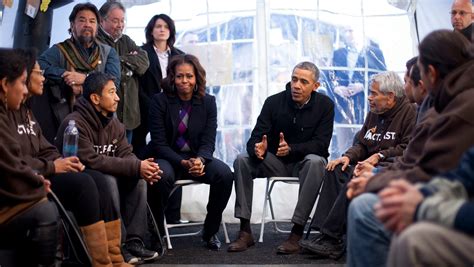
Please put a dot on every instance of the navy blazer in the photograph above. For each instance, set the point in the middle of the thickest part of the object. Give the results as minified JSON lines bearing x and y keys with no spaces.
{"x":164,"y":120}
{"x":150,"y":81}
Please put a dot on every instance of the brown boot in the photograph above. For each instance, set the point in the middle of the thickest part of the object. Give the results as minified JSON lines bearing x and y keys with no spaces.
{"x":242,"y":243}
{"x":96,"y":241}
{"x":291,"y":245}
{"x":114,"y":230}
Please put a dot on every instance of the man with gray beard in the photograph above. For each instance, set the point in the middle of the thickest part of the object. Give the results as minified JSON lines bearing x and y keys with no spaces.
{"x":67,"y":64}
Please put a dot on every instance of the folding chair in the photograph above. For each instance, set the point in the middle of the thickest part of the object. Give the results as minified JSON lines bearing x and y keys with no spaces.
{"x":74,"y":251}
{"x":268,"y":203}
{"x":178,"y":184}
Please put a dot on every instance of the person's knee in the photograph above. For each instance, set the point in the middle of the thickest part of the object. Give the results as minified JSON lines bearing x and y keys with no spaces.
{"x":361,"y":206}
{"x":242,"y":158}
{"x":315,"y":161}
{"x":411,"y":236}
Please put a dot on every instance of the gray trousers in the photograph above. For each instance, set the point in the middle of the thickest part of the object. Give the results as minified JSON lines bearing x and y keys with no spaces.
{"x":310,"y":172}
{"x":129,"y":198}
{"x":428,"y":244}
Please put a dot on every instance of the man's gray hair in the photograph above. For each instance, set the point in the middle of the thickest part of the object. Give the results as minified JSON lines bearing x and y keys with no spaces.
{"x":389,"y":81}
{"x":108,"y":6}
{"x":306,"y":65}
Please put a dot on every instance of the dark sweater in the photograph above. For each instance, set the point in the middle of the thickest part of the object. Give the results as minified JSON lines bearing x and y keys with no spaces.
{"x":387,"y":133}
{"x":450,"y":135}
{"x":37,"y":152}
{"x":20,"y":187}
{"x":307,"y":130}
{"x":101,"y":148}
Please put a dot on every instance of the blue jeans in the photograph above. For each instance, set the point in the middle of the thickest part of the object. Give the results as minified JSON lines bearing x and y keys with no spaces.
{"x":368,"y":242}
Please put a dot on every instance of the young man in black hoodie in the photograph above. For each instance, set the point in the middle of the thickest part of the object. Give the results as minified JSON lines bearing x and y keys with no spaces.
{"x":103,"y":147}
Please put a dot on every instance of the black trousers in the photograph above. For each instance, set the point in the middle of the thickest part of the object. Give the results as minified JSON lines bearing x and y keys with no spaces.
{"x":217,"y":174}
{"x":33,"y":234}
{"x":330,"y":216}
{"x":86,"y":195}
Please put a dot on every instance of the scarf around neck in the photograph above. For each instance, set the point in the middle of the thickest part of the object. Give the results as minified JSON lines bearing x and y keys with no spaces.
{"x":77,"y":57}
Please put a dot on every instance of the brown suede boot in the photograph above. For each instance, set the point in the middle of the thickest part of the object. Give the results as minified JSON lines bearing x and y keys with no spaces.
{"x":96,"y":241}
{"x":113,"y":237}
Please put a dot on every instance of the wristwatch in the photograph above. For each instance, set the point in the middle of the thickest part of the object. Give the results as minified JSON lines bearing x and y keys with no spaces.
{"x":381,"y":156}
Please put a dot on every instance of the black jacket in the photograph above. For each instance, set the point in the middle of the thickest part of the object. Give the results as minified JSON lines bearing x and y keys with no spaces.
{"x":164,"y":120}
{"x":150,"y":82}
{"x":307,"y":130}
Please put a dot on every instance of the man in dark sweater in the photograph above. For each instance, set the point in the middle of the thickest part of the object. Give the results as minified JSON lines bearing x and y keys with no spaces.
{"x":291,"y":138}
{"x":385,"y":134}
{"x":103,"y":147}
{"x":461,"y":18}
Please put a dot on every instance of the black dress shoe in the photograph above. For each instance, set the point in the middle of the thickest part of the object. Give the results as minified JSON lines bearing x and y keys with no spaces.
{"x":213,"y":243}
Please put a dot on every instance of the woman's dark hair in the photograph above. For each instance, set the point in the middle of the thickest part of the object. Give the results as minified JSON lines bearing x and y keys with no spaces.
{"x":83,"y":6}
{"x":445,"y":50}
{"x":95,"y":82}
{"x":12,"y":63}
{"x":168,"y":83}
{"x":151,"y":24}
{"x":30,"y":62}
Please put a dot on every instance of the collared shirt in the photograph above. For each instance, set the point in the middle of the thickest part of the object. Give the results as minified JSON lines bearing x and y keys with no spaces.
{"x":301,"y":106}
{"x":163,"y":57}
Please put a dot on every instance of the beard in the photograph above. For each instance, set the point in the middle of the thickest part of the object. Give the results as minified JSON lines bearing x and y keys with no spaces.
{"x":85,"y":40}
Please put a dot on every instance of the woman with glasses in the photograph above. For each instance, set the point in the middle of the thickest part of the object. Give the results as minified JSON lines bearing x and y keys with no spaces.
{"x":28,"y":221}
{"x":84,"y":192}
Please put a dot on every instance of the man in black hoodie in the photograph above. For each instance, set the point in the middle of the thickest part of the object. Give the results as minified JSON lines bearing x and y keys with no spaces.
{"x":103,"y":147}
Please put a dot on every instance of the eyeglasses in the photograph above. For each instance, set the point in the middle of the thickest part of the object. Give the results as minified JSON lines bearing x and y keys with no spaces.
{"x":461,"y":13}
{"x":116,"y":21}
{"x":38,"y":71}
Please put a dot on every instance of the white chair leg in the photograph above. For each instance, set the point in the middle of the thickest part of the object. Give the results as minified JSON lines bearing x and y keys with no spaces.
{"x":264,"y":215}
{"x":167,"y":234}
{"x":226,"y":235}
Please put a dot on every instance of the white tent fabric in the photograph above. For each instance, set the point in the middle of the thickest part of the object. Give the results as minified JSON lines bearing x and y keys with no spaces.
{"x":282,"y":44}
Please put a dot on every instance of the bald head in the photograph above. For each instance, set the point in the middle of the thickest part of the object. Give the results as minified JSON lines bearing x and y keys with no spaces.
{"x":461,"y":14}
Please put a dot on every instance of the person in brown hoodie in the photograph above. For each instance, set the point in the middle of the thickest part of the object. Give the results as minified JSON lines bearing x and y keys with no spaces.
{"x":103,"y":147}
{"x":426,"y":115}
{"x":446,"y":65}
{"x":28,"y":220}
{"x":385,"y":134}
{"x":83,"y":193}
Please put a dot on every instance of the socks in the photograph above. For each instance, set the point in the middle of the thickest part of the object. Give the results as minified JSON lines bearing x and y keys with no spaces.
{"x":297,"y":229}
{"x":245,"y":225}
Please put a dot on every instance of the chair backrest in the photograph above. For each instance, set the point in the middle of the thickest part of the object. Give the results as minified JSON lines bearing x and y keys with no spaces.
{"x":74,"y":250}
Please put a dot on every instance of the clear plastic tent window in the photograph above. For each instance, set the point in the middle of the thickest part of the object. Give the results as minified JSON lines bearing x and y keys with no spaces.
{"x":249,"y":48}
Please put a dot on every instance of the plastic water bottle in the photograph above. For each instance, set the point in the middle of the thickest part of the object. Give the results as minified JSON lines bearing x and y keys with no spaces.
{"x":70,"y":140}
